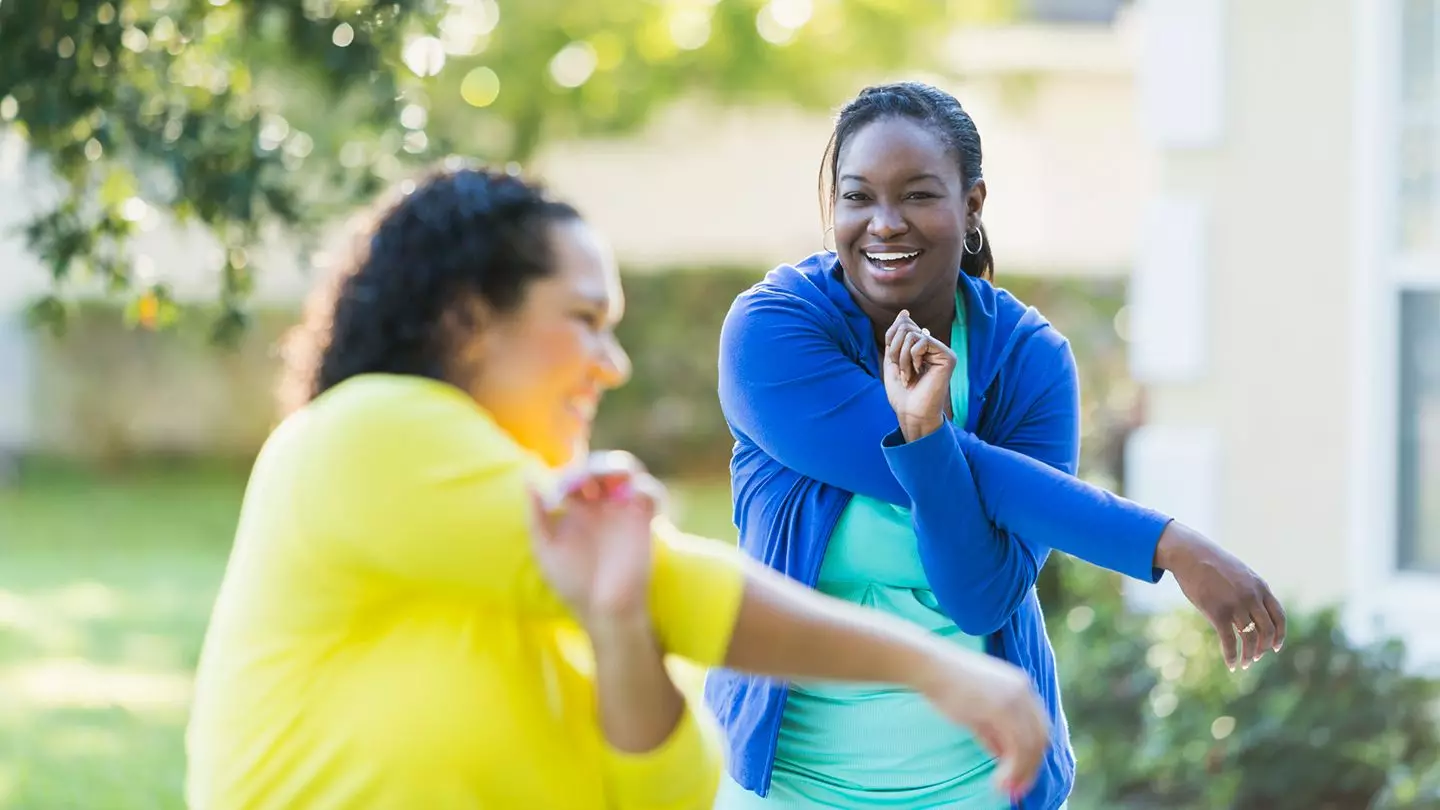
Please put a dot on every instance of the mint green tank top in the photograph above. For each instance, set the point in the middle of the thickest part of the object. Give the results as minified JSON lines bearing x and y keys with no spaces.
{"x":874,"y":745}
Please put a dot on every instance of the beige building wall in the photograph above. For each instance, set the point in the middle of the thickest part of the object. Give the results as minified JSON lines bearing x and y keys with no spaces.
{"x":1260,"y":425}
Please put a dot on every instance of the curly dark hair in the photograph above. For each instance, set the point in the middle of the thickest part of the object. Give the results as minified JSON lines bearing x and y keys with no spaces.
{"x":457,"y":237}
{"x":928,"y":106}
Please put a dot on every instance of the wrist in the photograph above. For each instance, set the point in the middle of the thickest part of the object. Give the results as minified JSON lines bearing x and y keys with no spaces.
{"x":619,"y":630}
{"x":916,"y":428}
{"x":921,"y":663}
{"x":1174,"y":547}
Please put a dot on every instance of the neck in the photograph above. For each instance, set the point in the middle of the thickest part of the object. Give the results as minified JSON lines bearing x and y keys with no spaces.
{"x":937,"y":314}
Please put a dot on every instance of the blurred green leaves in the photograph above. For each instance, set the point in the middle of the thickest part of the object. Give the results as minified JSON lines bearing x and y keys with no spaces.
{"x":240,"y":114}
{"x":1158,"y":721}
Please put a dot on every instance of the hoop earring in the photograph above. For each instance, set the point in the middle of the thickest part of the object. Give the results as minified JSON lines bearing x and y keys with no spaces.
{"x":978,"y":247}
{"x":830,"y":231}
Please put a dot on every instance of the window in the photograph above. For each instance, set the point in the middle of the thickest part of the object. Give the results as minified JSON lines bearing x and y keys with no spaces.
{"x":1072,"y":11}
{"x":1416,"y":273}
{"x":1419,"y":153}
{"x":1419,"y":451}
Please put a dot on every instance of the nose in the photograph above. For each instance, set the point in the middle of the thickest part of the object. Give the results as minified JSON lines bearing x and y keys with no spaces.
{"x":887,"y":222}
{"x":612,"y":363}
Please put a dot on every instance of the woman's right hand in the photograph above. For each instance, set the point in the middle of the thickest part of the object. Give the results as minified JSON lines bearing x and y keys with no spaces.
{"x":594,"y":543}
{"x":998,"y":703}
{"x":917,"y":373}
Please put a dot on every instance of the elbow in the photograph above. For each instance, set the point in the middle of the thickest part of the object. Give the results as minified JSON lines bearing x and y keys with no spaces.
{"x":983,"y":611}
{"x":982,"y":624}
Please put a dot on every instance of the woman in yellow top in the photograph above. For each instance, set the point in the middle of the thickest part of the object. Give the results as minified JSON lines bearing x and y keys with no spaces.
{"x":418,"y":613}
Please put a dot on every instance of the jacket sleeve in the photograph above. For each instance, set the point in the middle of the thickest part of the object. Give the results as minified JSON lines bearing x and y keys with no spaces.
{"x":981,"y":567}
{"x":787,"y":387}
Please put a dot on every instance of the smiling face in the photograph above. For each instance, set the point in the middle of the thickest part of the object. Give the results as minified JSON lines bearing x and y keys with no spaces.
{"x":901,"y":215}
{"x":543,"y":367}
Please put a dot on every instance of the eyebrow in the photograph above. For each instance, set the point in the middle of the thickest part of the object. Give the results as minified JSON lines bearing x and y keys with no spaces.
{"x":599,"y":300}
{"x":922,"y":176}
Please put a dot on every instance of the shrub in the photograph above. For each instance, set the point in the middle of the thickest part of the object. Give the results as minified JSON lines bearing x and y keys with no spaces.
{"x":1158,"y":721}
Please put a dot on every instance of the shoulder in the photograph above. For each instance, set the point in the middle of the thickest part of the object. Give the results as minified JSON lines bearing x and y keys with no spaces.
{"x":1019,"y":345}
{"x":375,"y":423}
{"x":789,"y":295}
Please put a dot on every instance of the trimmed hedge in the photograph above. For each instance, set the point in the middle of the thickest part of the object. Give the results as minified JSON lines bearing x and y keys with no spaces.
{"x":106,"y":391}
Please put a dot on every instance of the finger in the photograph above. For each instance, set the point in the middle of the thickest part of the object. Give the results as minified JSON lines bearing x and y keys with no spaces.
{"x":895,"y":353}
{"x":606,"y":474}
{"x":907,"y":347}
{"x":901,"y":321}
{"x":892,"y":351}
{"x":1228,"y":646}
{"x":1020,"y":754}
{"x":615,"y":484}
{"x":1248,"y":630}
{"x":1277,"y":617}
{"x":1264,"y":633}
{"x":649,"y":493}
{"x":919,"y":351}
{"x":613,"y":461}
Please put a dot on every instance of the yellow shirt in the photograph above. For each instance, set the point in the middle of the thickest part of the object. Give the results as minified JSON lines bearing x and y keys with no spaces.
{"x":384,"y":638}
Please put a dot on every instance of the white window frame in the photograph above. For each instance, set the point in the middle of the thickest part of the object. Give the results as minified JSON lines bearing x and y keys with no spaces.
{"x":1384,"y":600}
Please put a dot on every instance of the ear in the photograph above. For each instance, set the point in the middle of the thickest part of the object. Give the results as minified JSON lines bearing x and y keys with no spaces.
{"x":470,"y":330}
{"x":974,"y":205}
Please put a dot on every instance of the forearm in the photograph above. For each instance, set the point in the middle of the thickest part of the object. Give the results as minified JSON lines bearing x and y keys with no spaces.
{"x":658,"y":753}
{"x":639,"y":705}
{"x":1031,"y":499}
{"x":980,"y":574}
{"x":787,"y":631}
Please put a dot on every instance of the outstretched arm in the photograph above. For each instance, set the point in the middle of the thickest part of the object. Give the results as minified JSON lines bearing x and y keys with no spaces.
{"x":787,"y":386}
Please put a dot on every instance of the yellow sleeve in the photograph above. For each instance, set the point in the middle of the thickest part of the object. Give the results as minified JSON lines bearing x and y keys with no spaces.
{"x":683,"y":773}
{"x":695,"y":594}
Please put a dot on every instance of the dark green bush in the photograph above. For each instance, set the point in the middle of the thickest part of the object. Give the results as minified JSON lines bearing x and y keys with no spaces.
{"x":670,"y":417}
{"x":105,"y":390}
{"x":1159,"y":722}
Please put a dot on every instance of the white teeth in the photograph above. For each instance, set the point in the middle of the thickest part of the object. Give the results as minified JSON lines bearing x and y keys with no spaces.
{"x":891,"y":257}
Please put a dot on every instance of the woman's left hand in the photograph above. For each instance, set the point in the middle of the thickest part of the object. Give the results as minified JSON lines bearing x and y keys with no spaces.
{"x":918,"y":368}
{"x":1238,"y":603}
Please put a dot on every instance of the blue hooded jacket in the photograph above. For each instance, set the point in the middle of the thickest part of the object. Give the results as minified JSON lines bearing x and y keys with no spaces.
{"x":802,"y":392}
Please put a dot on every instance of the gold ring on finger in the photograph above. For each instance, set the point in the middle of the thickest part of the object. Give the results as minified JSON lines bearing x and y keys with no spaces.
{"x":1249,"y":628}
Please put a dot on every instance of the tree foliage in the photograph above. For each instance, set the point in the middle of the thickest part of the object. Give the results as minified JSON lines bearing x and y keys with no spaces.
{"x":242,"y":114}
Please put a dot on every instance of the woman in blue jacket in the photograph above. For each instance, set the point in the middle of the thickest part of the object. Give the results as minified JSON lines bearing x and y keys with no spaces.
{"x":907,"y":437}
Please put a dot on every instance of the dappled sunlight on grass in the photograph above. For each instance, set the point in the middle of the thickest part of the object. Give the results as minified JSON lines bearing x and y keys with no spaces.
{"x":104,"y":594}
{"x":80,"y":684}
{"x":105,"y":590}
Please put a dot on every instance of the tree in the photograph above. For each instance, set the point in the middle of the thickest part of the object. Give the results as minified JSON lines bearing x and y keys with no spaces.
{"x":243,"y":114}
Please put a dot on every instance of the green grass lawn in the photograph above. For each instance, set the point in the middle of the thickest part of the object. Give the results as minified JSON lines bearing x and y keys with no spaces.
{"x":105,"y":588}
